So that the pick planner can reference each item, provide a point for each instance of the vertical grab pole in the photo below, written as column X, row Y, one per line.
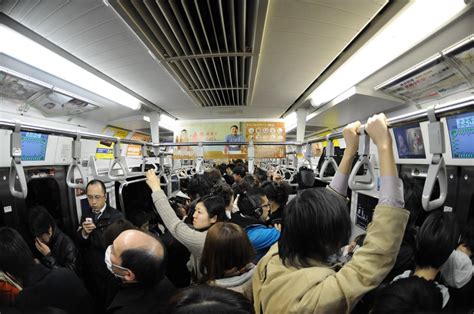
column 16, row 168
column 437, row 168
column 200, row 159
column 251, row 156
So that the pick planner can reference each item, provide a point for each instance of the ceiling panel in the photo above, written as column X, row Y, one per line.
column 301, row 38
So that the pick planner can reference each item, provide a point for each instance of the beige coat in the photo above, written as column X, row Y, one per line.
column 319, row 289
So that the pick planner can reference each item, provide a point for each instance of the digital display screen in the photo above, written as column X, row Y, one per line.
column 409, row 142
column 33, row 146
column 461, row 135
column 365, row 209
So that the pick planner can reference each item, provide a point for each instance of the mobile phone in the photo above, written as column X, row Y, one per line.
column 88, row 219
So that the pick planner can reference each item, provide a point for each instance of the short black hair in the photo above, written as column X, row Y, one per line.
column 40, row 221
column 260, row 175
column 139, row 217
column 277, row 192
column 223, row 190
column 409, row 295
column 412, row 191
column 215, row 206
column 250, row 201
column 317, row 224
column 467, row 237
column 436, row 239
column 199, row 185
column 209, row 299
column 239, row 170
column 115, row 229
column 15, row 255
column 234, row 126
column 94, row 182
column 148, row 268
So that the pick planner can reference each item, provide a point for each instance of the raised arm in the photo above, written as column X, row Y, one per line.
column 193, row 240
column 339, row 182
column 374, row 260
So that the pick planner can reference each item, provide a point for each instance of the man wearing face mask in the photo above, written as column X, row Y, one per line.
column 138, row 259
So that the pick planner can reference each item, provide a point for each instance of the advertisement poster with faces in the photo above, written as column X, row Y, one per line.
column 266, row 132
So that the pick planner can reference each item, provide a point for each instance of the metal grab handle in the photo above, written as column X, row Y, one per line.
column 200, row 159
column 357, row 185
column 118, row 161
column 328, row 160
column 437, row 168
column 436, row 171
column 17, row 169
column 364, row 151
column 70, row 176
column 75, row 163
column 251, row 157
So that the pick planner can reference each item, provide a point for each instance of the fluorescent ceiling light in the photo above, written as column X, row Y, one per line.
column 24, row 49
column 165, row 122
column 416, row 22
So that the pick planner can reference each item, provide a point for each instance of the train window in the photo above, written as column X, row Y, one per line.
column 365, row 210
column 409, row 142
column 45, row 192
column 461, row 135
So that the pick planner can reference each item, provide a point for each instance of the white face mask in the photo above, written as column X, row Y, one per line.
column 109, row 264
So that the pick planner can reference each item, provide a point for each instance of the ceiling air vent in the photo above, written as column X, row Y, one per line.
column 211, row 47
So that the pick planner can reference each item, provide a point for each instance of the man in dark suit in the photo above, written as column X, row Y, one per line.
column 138, row 259
column 90, row 235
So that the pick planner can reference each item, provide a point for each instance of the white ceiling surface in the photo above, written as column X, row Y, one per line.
column 301, row 38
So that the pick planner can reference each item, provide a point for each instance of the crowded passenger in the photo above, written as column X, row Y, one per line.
column 227, row 258
column 277, row 194
column 435, row 241
column 294, row 276
column 55, row 247
column 139, row 260
column 253, row 210
column 209, row 210
column 41, row 287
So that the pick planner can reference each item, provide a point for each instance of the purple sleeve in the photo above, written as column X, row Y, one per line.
column 339, row 183
column 391, row 192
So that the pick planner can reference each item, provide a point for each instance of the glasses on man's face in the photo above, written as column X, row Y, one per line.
column 95, row 197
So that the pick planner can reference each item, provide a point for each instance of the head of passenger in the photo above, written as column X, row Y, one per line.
column 436, row 240
column 467, row 239
column 209, row 299
column 260, row 176
column 115, row 229
column 412, row 191
column 141, row 220
column 15, row 255
column 254, row 203
column 322, row 219
column 234, row 130
column 227, row 252
column 209, row 210
column 277, row 193
column 199, row 186
column 136, row 257
column 214, row 175
column 238, row 173
column 96, row 195
column 227, row 194
column 42, row 225
column 409, row 295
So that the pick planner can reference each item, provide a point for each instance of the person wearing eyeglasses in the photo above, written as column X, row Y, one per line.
column 254, row 209
column 90, row 237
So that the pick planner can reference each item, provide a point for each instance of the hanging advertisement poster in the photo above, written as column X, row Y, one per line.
column 136, row 150
column 105, row 148
column 195, row 132
column 266, row 132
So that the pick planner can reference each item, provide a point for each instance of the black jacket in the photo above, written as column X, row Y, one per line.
column 95, row 239
column 138, row 299
column 63, row 252
column 58, row 288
